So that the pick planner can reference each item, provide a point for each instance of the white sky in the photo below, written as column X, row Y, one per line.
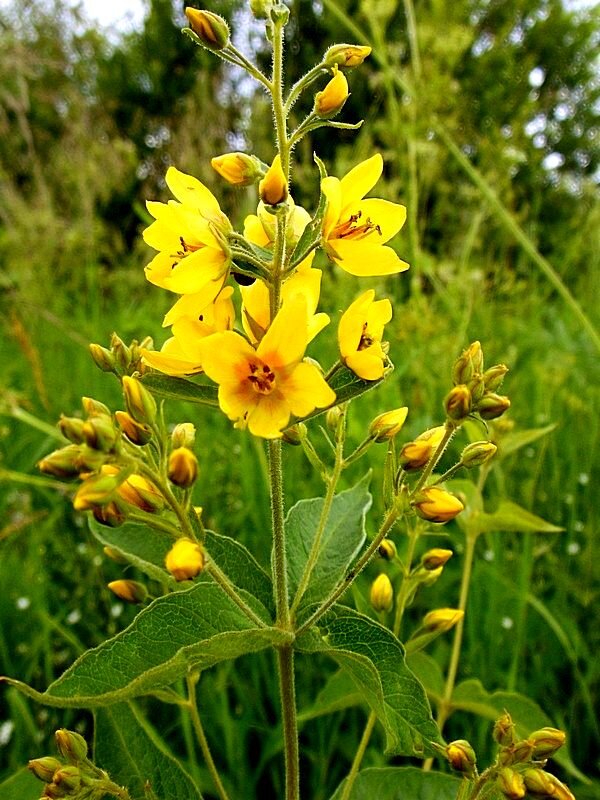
column 122, row 14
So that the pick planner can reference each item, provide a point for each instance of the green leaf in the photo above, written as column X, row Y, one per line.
column 312, row 232
column 401, row 783
column 339, row 692
column 512, row 517
column 343, row 536
column 429, row 673
column 527, row 715
column 374, row 658
column 132, row 753
column 515, row 441
column 23, row 785
column 180, row 389
column 192, row 629
column 146, row 549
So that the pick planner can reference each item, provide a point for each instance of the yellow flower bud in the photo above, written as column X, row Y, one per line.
column 210, row 28
column 510, row 783
column 493, row 377
column 103, row 358
column 63, row 463
column 183, row 435
column 273, row 188
column 44, row 768
column 71, row 745
column 114, row 555
column 560, row 790
column 461, row 756
column 129, row 591
column 346, row 55
column 546, row 742
column 441, row 620
column 477, row 453
column 136, row 432
column 430, row 576
column 183, row 467
column 71, row 428
column 294, row 434
column 504, row 730
column 331, row 100
column 458, row 402
column 113, row 515
column 388, row 424
column 140, row 403
column 99, row 433
column 140, row 492
column 468, row 364
column 94, row 408
column 185, row 560
column 492, row 406
column 435, row 558
column 414, row 455
column 238, row 169
column 382, row 593
column 516, row 753
column 387, row 550
column 437, row 505
column 97, row 490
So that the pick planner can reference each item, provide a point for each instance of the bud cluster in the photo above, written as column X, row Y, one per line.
column 120, row 358
column 475, row 389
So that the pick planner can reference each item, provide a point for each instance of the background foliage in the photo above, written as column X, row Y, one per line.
column 88, row 124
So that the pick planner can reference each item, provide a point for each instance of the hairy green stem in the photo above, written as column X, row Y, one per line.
column 192, row 705
column 358, row 757
column 287, row 693
column 230, row 590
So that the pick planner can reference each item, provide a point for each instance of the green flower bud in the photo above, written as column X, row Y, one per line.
column 468, row 364
column 44, row 768
column 72, row 428
column 346, row 55
column 461, row 756
column 184, row 435
column 121, row 353
column 71, row 745
column 68, row 778
column 387, row 550
column 94, row 408
column 546, row 742
column 294, row 434
column 493, row 377
column 492, row 406
column 129, row 591
column 63, row 463
column 538, row 782
column 458, row 402
column 113, row 515
column 100, row 433
column 476, row 454
column 504, row 730
column 140, row 403
column 103, row 358
column 210, row 28
column 510, row 783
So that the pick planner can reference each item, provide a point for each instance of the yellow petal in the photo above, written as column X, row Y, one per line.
column 316, row 325
column 306, row 282
column 256, row 313
column 192, row 305
column 194, row 271
column 366, row 365
column 378, row 315
column 360, row 180
column 226, row 357
column 190, row 190
column 332, row 189
column 306, row 389
column 237, row 399
column 269, row 416
column 365, row 258
column 255, row 232
column 352, row 322
column 389, row 217
column 285, row 342
column 171, row 359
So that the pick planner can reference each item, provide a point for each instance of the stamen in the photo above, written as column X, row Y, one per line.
column 350, row 229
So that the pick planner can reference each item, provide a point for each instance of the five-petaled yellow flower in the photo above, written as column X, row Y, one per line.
column 190, row 236
column 261, row 388
column 359, row 335
column 355, row 230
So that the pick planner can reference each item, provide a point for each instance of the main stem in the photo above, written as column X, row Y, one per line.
column 202, row 740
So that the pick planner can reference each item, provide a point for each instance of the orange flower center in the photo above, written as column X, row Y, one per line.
column 350, row 229
column 186, row 249
column 262, row 378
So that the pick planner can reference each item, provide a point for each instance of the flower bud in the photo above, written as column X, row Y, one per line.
column 346, row 55
column 136, row 432
column 61, row 463
column 52, row 791
column 103, row 358
column 469, row 363
column 71, row 745
column 546, row 742
column 185, row 560
column 129, row 591
column 387, row 425
column 441, row 620
column 183, row 468
column 477, row 453
column 560, row 790
column 99, row 433
column 68, row 778
column 437, row 505
column 71, row 428
column 114, row 555
column 461, row 756
column 140, row 403
column 414, row 455
column 238, row 169
column 210, row 28
column 273, row 188
column 260, row 8
column 184, row 435
column 435, row 558
column 382, row 593
column 140, row 492
column 97, row 490
column 121, row 353
column 538, row 782
column 430, row 576
column 492, row 406
column 44, row 768
column 510, row 783
column 493, row 377
column 294, row 434
column 332, row 418
column 387, row 550
column 331, row 100
column 94, row 408
column 113, row 515
column 458, row 402
column 504, row 730
column 477, row 388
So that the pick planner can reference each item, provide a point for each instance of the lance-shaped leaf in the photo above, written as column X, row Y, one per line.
column 407, row 783
column 342, row 537
column 192, row 629
column 510, row 516
column 130, row 750
column 21, row 786
column 180, row 389
column 339, row 693
column 374, row 658
column 146, row 549
column 527, row 715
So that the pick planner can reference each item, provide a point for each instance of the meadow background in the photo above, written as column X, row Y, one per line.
column 486, row 115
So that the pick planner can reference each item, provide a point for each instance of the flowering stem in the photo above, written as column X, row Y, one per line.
column 192, row 705
column 250, row 68
column 277, row 95
column 302, row 84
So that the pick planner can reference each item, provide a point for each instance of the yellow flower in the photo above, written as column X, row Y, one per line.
column 331, row 100
column 355, row 230
column 359, row 335
column 185, row 560
column 180, row 355
column 261, row 388
column 189, row 235
column 273, row 188
column 260, row 228
column 437, row 505
column 238, row 169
